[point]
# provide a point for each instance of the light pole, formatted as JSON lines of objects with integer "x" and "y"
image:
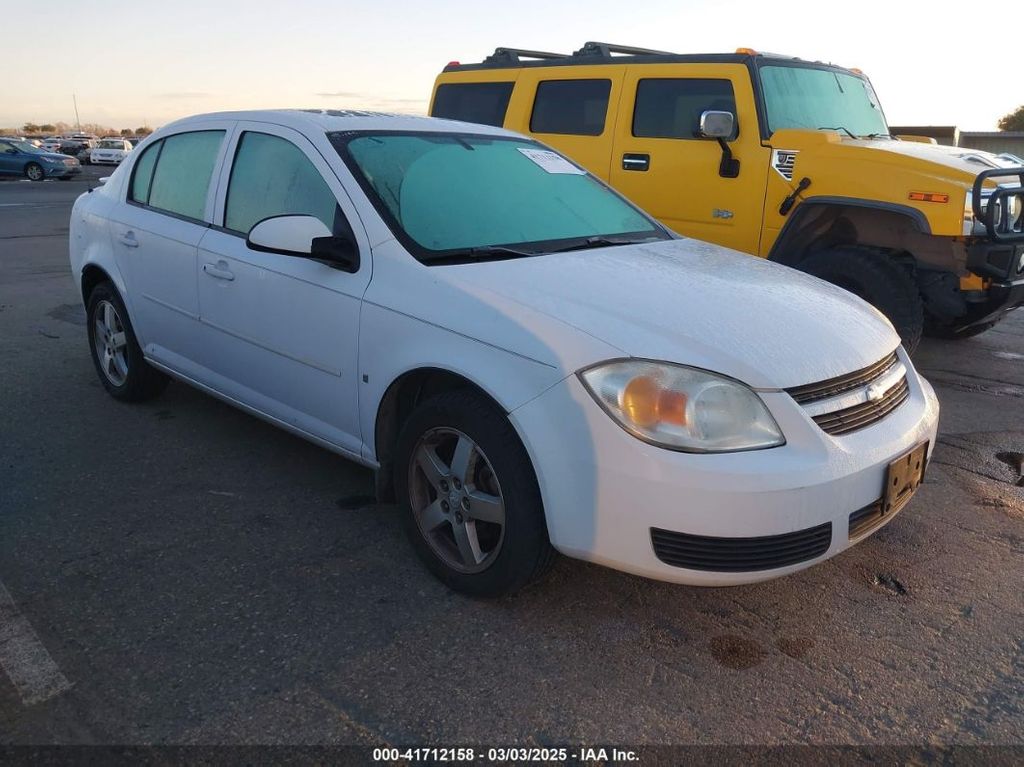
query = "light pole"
{"x": 78, "y": 123}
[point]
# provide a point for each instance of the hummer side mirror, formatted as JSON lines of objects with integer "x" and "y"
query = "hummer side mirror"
{"x": 719, "y": 126}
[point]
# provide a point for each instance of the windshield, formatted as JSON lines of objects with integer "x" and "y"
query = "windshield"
{"x": 24, "y": 146}
{"x": 446, "y": 195}
{"x": 801, "y": 97}
{"x": 111, "y": 145}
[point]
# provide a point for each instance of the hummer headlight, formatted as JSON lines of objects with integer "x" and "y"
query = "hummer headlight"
{"x": 969, "y": 221}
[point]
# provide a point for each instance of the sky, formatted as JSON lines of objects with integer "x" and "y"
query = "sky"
{"x": 147, "y": 63}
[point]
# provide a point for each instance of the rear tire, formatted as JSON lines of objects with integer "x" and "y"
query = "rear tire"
{"x": 34, "y": 172}
{"x": 477, "y": 523}
{"x": 116, "y": 354}
{"x": 877, "y": 279}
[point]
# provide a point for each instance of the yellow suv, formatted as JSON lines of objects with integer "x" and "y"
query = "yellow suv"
{"x": 785, "y": 159}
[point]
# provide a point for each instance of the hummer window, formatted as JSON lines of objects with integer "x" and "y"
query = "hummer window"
{"x": 574, "y": 107}
{"x": 482, "y": 103}
{"x": 671, "y": 107}
{"x": 802, "y": 97}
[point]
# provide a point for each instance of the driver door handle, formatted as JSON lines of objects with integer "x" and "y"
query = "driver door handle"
{"x": 219, "y": 271}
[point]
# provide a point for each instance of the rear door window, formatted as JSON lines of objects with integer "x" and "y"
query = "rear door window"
{"x": 573, "y": 107}
{"x": 481, "y": 103}
{"x": 180, "y": 174}
{"x": 671, "y": 107}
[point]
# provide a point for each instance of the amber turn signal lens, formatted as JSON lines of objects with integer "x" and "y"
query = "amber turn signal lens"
{"x": 929, "y": 197}
{"x": 647, "y": 404}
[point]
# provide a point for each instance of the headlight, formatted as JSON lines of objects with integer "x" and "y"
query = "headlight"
{"x": 1007, "y": 212}
{"x": 973, "y": 226}
{"x": 682, "y": 408}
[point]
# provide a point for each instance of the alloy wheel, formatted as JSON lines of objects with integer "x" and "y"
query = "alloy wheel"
{"x": 110, "y": 343}
{"x": 456, "y": 500}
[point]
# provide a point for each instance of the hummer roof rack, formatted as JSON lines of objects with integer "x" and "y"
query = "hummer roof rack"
{"x": 591, "y": 53}
{"x": 515, "y": 55}
{"x": 613, "y": 53}
{"x": 606, "y": 50}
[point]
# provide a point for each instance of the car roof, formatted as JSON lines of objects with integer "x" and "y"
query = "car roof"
{"x": 337, "y": 120}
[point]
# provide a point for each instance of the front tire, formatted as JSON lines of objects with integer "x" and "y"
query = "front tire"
{"x": 34, "y": 172}
{"x": 116, "y": 354}
{"x": 879, "y": 280}
{"x": 472, "y": 506}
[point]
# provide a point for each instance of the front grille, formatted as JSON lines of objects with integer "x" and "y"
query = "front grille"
{"x": 840, "y": 384}
{"x": 736, "y": 555}
{"x": 864, "y": 410}
{"x": 862, "y": 415}
{"x": 863, "y": 521}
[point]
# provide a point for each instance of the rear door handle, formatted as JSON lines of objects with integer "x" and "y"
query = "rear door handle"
{"x": 128, "y": 239}
{"x": 219, "y": 272}
{"x": 633, "y": 161}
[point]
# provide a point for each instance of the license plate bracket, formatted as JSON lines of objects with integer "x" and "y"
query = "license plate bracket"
{"x": 902, "y": 478}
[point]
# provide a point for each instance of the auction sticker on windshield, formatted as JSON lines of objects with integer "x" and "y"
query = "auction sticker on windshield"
{"x": 551, "y": 161}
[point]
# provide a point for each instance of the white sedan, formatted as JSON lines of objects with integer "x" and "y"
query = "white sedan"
{"x": 110, "y": 151}
{"x": 529, "y": 362}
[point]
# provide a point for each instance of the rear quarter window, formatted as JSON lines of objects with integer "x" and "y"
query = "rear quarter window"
{"x": 481, "y": 103}
{"x": 142, "y": 176}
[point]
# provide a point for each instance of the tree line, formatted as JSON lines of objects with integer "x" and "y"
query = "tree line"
{"x": 60, "y": 128}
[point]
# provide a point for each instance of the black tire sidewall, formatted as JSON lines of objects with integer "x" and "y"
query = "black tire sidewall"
{"x": 877, "y": 279}
{"x": 525, "y": 548}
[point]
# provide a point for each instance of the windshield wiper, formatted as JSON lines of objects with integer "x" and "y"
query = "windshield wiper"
{"x": 847, "y": 131}
{"x": 601, "y": 241}
{"x": 878, "y": 135}
{"x": 481, "y": 253}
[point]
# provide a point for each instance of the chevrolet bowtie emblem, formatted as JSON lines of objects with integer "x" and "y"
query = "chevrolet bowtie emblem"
{"x": 875, "y": 392}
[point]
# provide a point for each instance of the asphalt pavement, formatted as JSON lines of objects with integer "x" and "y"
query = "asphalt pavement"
{"x": 180, "y": 572}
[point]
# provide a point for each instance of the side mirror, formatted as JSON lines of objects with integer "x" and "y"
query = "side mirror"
{"x": 715, "y": 124}
{"x": 303, "y": 237}
{"x": 720, "y": 126}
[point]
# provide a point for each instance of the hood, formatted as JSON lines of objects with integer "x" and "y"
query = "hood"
{"x": 948, "y": 163}
{"x": 959, "y": 159}
{"x": 55, "y": 156}
{"x": 694, "y": 303}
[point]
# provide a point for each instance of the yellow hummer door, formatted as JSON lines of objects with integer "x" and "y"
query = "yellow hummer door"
{"x": 571, "y": 109}
{"x": 660, "y": 162}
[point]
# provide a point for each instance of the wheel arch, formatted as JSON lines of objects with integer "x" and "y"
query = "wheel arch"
{"x": 93, "y": 275}
{"x": 400, "y": 399}
{"x": 828, "y": 221}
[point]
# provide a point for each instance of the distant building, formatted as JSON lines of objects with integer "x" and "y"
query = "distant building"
{"x": 997, "y": 142}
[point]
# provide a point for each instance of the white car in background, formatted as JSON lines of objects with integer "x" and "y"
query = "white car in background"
{"x": 110, "y": 151}
{"x": 528, "y": 361}
{"x": 52, "y": 144}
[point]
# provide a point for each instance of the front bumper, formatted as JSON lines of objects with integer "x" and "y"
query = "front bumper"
{"x": 605, "y": 491}
{"x": 63, "y": 171}
{"x": 1003, "y": 264}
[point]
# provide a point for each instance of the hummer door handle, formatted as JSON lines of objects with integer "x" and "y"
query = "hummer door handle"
{"x": 633, "y": 161}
